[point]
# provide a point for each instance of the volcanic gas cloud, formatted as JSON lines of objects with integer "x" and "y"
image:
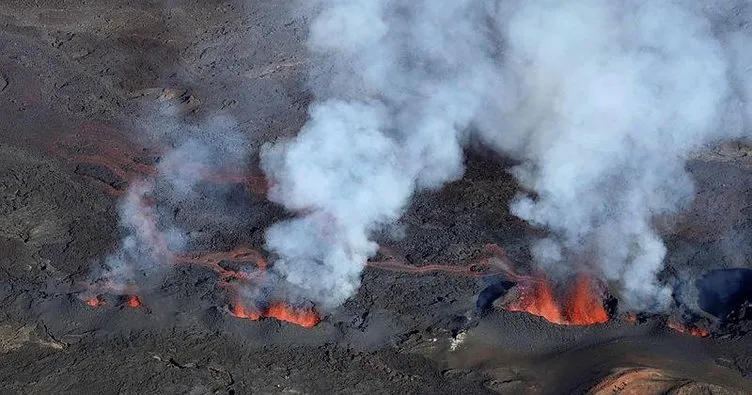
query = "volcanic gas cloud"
{"x": 601, "y": 103}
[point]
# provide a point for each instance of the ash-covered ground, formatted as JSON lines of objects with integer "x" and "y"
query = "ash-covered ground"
{"x": 81, "y": 80}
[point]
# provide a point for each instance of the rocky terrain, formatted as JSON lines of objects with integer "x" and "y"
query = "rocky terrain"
{"x": 82, "y": 91}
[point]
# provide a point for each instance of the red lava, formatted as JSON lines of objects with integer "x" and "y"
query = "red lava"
{"x": 240, "y": 311}
{"x": 582, "y": 305}
{"x": 496, "y": 262}
{"x": 238, "y": 255}
{"x": 105, "y": 146}
{"x": 686, "y": 329}
{"x": 94, "y": 301}
{"x": 305, "y": 317}
{"x": 632, "y": 318}
{"x": 133, "y": 302}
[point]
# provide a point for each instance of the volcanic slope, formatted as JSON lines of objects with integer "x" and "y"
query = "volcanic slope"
{"x": 82, "y": 79}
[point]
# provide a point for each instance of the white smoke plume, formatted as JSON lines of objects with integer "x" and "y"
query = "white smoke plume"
{"x": 145, "y": 247}
{"x": 604, "y": 102}
{"x": 151, "y": 240}
{"x": 601, "y": 102}
{"x": 395, "y": 98}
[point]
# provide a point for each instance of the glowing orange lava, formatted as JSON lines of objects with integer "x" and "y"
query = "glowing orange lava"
{"x": 94, "y": 301}
{"x": 211, "y": 260}
{"x": 690, "y": 330}
{"x": 238, "y": 310}
{"x": 538, "y": 299}
{"x": 133, "y": 302}
{"x": 305, "y": 317}
{"x": 583, "y": 305}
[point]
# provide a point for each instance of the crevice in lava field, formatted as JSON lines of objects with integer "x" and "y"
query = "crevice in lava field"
{"x": 99, "y": 152}
{"x": 585, "y": 301}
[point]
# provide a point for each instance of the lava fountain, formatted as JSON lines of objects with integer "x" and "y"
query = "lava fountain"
{"x": 133, "y": 302}
{"x": 301, "y": 316}
{"x": 581, "y": 305}
{"x": 94, "y": 301}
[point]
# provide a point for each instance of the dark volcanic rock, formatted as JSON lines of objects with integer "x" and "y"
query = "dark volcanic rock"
{"x": 103, "y": 174}
{"x": 72, "y": 67}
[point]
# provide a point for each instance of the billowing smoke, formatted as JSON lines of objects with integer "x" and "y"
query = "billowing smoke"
{"x": 145, "y": 247}
{"x": 150, "y": 237}
{"x": 398, "y": 85}
{"x": 601, "y": 103}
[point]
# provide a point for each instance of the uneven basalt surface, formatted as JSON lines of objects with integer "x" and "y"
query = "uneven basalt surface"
{"x": 76, "y": 78}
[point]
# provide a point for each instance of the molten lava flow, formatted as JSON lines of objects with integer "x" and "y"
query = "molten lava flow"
{"x": 497, "y": 262}
{"x": 103, "y": 146}
{"x": 231, "y": 280}
{"x": 107, "y": 147}
{"x": 584, "y": 306}
{"x": 253, "y": 184}
{"x": 581, "y": 306}
{"x": 238, "y": 310}
{"x": 212, "y": 260}
{"x": 690, "y": 330}
{"x": 305, "y": 317}
{"x": 133, "y": 302}
{"x": 538, "y": 299}
{"x": 94, "y": 301}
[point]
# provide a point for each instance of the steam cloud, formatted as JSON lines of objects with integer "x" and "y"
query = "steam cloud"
{"x": 604, "y": 105}
{"x": 395, "y": 99}
{"x": 601, "y": 102}
{"x": 150, "y": 238}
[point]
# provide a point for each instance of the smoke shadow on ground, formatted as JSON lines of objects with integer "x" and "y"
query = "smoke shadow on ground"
{"x": 497, "y": 288}
{"x": 723, "y": 291}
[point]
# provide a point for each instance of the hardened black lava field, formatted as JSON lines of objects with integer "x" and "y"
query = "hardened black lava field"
{"x": 81, "y": 81}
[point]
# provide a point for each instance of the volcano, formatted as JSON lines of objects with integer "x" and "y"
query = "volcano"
{"x": 582, "y": 305}
{"x": 137, "y": 197}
